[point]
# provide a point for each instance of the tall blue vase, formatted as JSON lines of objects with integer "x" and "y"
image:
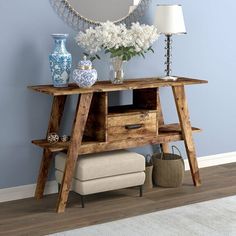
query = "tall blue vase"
{"x": 60, "y": 61}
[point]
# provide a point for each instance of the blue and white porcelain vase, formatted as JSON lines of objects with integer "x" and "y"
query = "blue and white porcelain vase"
{"x": 60, "y": 61}
{"x": 85, "y": 75}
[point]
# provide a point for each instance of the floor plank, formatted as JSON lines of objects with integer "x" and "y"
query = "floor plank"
{"x": 38, "y": 217}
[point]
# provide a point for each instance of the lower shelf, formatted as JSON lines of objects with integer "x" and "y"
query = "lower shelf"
{"x": 167, "y": 133}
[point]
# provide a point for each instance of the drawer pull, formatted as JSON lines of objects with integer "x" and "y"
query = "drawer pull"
{"x": 134, "y": 126}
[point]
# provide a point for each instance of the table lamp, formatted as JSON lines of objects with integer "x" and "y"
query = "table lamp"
{"x": 169, "y": 20}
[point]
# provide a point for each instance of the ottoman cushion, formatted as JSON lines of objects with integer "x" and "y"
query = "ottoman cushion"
{"x": 104, "y": 184}
{"x": 100, "y": 165}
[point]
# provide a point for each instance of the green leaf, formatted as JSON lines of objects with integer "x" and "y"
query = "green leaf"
{"x": 142, "y": 55}
{"x": 151, "y": 50}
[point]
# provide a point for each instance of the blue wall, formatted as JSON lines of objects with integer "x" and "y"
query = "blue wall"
{"x": 206, "y": 52}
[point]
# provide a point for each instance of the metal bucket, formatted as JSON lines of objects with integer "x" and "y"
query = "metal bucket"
{"x": 168, "y": 169}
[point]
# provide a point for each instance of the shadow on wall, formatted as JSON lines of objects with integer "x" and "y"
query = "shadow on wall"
{"x": 28, "y": 61}
{"x": 23, "y": 120}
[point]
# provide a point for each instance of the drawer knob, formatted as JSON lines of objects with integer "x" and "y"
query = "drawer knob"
{"x": 134, "y": 126}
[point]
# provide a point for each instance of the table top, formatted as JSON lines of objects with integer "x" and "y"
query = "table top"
{"x": 107, "y": 86}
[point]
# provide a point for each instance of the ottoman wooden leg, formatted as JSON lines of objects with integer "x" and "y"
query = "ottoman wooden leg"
{"x": 82, "y": 200}
{"x": 141, "y": 191}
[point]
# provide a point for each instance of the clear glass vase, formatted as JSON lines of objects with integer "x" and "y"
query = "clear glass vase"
{"x": 117, "y": 70}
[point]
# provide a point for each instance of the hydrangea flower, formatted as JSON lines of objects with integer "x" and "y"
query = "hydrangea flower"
{"x": 118, "y": 40}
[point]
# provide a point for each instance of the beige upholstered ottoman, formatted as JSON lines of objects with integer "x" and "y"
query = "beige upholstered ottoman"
{"x": 102, "y": 172}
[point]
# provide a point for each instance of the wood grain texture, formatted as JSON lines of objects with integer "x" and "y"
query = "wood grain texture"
{"x": 102, "y": 129}
{"x": 175, "y": 127}
{"x": 107, "y": 86}
{"x": 81, "y": 115}
{"x": 183, "y": 113}
{"x": 168, "y": 133}
{"x": 118, "y": 126}
{"x": 53, "y": 126}
{"x": 96, "y": 124}
{"x": 31, "y": 217}
{"x": 147, "y": 99}
{"x": 126, "y": 109}
{"x": 160, "y": 120}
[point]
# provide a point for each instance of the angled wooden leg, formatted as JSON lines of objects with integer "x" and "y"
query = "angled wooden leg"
{"x": 75, "y": 143}
{"x": 53, "y": 126}
{"x": 164, "y": 146}
{"x": 183, "y": 113}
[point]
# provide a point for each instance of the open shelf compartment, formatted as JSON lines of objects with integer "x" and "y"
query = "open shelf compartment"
{"x": 142, "y": 100}
{"x": 167, "y": 133}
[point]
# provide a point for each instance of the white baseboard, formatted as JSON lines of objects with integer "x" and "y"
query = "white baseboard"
{"x": 213, "y": 160}
{"x": 27, "y": 191}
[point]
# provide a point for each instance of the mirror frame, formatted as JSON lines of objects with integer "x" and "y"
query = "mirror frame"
{"x": 79, "y": 23}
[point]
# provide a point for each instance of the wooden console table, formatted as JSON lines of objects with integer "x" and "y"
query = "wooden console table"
{"x": 98, "y": 127}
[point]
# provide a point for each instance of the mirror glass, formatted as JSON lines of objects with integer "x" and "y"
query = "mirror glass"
{"x": 104, "y": 10}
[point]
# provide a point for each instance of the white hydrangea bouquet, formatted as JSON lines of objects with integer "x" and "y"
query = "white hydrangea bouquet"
{"x": 122, "y": 43}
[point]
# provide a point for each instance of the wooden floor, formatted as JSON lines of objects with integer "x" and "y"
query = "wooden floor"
{"x": 32, "y": 217}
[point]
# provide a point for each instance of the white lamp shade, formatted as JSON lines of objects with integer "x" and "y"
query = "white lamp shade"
{"x": 169, "y": 19}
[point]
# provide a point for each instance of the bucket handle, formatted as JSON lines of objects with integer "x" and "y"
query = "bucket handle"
{"x": 173, "y": 147}
{"x": 162, "y": 152}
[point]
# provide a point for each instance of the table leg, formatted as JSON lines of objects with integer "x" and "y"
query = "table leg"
{"x": 53, "y": 126}
{"x": 81, "y": 116}
{"x": 164, "y": 146}
{"x": 183, "y": 113}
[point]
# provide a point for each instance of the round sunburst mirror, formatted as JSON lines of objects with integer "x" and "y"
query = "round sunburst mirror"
{"x": 81, "y": 14}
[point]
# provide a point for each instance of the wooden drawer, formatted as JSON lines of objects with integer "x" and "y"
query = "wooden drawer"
{"x": 128, "y": 126}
